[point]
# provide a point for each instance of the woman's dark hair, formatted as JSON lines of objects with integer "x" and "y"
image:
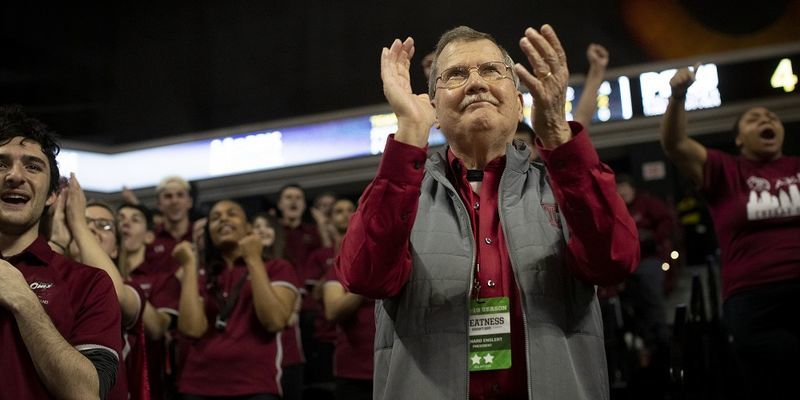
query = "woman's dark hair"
{"x": 213, "y": 263}
{"x": 278, "y": 247}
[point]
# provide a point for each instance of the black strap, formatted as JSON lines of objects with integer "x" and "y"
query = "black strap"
{"x": 227, "y": 307}
{"x": 474, "y": 175}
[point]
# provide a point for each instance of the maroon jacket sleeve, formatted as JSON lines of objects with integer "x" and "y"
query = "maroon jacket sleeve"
{"x": 603, "y": 247}
{"x": 374, "y": 260}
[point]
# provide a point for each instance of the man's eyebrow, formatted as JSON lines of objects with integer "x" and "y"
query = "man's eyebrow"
{"x": 25, "y": 158}
{"x": 29, "y": 158}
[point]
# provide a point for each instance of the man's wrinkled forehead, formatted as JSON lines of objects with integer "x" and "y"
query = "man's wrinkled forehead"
{"x": 457, "y": 49}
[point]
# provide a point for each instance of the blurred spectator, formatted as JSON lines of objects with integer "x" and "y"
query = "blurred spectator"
{"x": 644, "y": 290}
{"x": 159, "y": 286}
{"x": 754, "y": 198}
{"x": 233, "y": 313}
{"x": 174, "y": 202}
{"x": 355, "y": 317}
{"x": 273, "y": 241}
{"x": 321, "y": 212}
{"x": 301, "y": 240}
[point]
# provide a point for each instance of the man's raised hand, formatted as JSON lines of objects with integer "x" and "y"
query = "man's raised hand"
{"x": 547, "y": 84}
{"x": 415, "y": 114}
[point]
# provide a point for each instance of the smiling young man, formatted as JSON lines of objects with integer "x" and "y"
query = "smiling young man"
{"x": 174, "y": 201}
{"x": 59, "y": 320}
{"x": 485, "y": 293}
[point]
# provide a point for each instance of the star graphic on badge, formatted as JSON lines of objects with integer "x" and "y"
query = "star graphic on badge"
{"x": 476, "y": 359}
{"x": 488, "y": 358}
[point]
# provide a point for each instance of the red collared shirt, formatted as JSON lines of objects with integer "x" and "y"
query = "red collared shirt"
{"x": 317, "y": 267}
{"x": 81, "y": 302}
{"x": 157, "y": 283}
{"x": 164, "y": 242}
{"x": 603, "y": 245}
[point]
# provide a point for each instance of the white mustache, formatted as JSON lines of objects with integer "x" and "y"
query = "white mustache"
{"x": 474, "y": 98}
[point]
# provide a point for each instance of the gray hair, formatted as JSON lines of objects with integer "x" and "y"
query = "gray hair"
{"x": 464, "y": 34}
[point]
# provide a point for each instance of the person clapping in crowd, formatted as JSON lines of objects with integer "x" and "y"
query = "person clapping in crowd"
{"x": 234, "y": 313}
{"x": 355, "y": 319}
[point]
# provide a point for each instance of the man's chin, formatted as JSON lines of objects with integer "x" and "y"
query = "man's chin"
{"x": 15, "y": 224}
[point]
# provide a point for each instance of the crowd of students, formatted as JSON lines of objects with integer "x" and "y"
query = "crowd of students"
{"x": 103, "y": 301}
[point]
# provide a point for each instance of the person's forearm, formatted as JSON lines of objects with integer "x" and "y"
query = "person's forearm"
{"x": 325, "y": 235}
{"x": 271, "y": 311}
{"x": 65, "y": 372}
{"x": 587, "y": 104}
{"x": 94, "y": 256}
{"x": 192, "y": 319}
{"x": 342, "y": 306}
{"x": 155, "y": 322}
{"x": 673, "y": 127}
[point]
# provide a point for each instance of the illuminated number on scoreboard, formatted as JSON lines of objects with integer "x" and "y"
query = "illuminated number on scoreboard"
{"x": 783, "y": 77}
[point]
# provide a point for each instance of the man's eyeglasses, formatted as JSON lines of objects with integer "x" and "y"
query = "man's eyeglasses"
{"x": 457, "y": 76}
{"x": 101, "y": 223}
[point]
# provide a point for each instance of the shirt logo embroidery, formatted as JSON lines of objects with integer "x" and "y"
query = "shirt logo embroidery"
{"x": 40, "y": 289}
{"x": 40, "y": 285}
{"x": 764, "y": 205}
{"x": 552, "y": 214}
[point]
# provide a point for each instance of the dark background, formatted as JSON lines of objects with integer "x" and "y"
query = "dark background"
{"x": 121, "y": 73}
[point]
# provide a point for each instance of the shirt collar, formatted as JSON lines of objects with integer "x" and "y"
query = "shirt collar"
{"x": 459, "y": 172}
{"x": 37, "y": 253}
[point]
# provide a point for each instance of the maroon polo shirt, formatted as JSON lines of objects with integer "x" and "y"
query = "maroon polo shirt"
{"x": 132, "y": 378}
{"x": 355, "y": 338}
{"x": 292, "y": 343}
{"x": 317, "y": 267}
{"x": 164, "y": 242}
{"x": 158, "y": 285}
{"x": 756, "y": 211}
{"x": 81, "y": 302}
{"x": 243, "y": 359}
{"x": 602, "y": 249}
{"x": 300, "y": 242}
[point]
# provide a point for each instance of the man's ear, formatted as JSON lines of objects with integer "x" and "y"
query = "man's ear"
{"x": 149, "y": 237}
{"x": 435, "y": 114}
{"x": 521, "y": 102}
{"x": 51, "y": 198}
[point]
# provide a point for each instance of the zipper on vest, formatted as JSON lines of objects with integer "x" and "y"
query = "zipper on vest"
{"x": 465, "y": 218}
{"x": 463, "y": 208}
{"x": 512, "y": 258}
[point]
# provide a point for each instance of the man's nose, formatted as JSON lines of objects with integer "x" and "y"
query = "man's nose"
{"x": 475, "y": 83}
{"x": 14, "y": 175}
